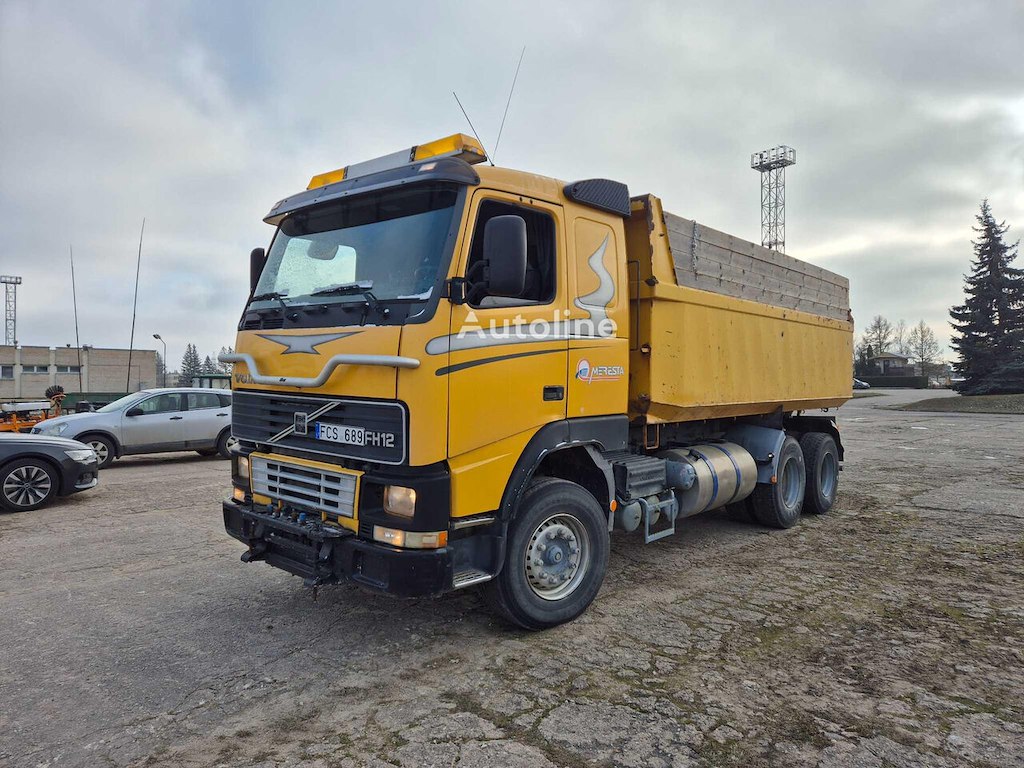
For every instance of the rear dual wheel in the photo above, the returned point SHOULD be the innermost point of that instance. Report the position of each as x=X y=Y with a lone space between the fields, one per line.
x=822 y=459
x=556 y=556
x=807 y=481
x=778 y=504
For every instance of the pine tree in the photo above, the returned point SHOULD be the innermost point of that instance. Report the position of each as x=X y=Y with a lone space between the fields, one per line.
x=161 y=370
x=990 y=323
x=190 y=366
x=224 y=367
x=208 y=366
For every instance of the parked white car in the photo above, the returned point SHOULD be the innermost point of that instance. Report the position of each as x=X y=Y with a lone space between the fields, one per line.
x=151 y=421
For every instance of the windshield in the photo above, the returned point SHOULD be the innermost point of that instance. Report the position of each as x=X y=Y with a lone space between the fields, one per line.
x=390 y=243
x=121 y=402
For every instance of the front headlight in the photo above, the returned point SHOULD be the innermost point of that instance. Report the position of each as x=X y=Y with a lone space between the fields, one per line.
x=83 y=455
x=399 y=500
x=46 y=428
x=240 y=471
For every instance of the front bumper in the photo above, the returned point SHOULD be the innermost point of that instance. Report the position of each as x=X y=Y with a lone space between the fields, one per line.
x=78 y=476
x=324 y=555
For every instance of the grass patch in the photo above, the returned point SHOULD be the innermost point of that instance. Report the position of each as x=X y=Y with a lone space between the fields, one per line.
x=970 y=404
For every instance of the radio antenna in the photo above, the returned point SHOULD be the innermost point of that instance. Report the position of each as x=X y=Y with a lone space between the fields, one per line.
x=510 y=92
x=135 y=306
x=471 y=127
x=74 y=299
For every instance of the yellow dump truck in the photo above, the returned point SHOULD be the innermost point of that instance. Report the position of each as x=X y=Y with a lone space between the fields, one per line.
x=450 y=374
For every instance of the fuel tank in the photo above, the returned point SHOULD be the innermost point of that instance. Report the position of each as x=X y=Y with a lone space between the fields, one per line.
x=724 y=473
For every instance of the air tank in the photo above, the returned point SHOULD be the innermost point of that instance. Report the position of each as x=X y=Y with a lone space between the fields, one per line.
x=710 y=475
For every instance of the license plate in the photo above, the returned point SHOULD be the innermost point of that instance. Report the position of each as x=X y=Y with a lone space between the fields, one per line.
x=336 y=433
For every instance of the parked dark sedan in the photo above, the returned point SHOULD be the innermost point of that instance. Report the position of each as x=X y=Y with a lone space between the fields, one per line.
x=34 y=469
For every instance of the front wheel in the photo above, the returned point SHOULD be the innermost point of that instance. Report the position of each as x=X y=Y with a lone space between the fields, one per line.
x=104 y=448
x=27 y=484
x=556 y=557
x=225 y=442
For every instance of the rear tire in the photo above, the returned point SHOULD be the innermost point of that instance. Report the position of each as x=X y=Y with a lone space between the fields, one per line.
x=27 y=484
x=778 y=505
x=225 y=442
x=821 y=458
x=103 y=446
x=556 y=556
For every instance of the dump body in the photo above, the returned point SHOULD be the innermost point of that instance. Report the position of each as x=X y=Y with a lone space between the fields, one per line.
x=721 y=327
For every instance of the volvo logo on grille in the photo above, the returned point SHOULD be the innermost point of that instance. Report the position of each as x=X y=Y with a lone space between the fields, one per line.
x=301 y=423
x=304 y=344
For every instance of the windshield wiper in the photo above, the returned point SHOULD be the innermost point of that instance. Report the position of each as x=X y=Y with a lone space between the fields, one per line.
x=361 y=287
x=269 y=296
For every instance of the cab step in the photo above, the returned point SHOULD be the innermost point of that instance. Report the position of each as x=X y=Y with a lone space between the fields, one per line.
x=469 y=577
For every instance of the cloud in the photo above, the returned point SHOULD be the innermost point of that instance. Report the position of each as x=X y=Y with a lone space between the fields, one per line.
x=198 y=116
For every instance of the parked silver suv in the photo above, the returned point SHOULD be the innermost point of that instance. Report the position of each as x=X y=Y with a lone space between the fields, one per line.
x=151 y=421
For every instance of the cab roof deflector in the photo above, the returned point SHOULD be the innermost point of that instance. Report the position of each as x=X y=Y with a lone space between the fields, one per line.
x=603 y=194
x=441 y=169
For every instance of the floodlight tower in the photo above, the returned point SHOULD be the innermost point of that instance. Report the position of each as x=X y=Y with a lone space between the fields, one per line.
x=771 y=163
x=10 y=283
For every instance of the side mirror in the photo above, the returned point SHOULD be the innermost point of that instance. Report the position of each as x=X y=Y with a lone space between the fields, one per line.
x=505 y=255
x=257 y=260
x=133 y=412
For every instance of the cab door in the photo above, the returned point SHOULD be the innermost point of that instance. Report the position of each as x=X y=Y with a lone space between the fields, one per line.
x=507 y=367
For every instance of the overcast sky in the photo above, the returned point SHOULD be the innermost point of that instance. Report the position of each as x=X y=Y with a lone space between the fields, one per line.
x=199 y=116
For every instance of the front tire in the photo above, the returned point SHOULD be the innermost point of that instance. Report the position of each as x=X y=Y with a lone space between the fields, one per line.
x=556 y=557
x=822 y=459
x=225 y=442
x=27 y=484
x=104 y=448
x=778 y=504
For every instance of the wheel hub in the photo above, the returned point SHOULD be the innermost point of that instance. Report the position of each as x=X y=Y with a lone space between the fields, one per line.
x=557 y=557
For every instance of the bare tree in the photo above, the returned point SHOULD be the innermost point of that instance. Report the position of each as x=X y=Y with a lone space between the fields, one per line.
x=878 y=335
x=900 y=339
x=923 y=348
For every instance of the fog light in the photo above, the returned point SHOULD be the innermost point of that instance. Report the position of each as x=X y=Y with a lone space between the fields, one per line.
x=410 y=539
x=238 y=494
x=399 y=500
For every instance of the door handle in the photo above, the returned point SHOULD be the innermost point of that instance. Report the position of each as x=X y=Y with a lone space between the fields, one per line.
x=554 y=392
x=175 y=418
x=222 y=414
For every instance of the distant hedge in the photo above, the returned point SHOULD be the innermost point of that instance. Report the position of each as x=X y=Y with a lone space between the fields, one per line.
x=902 y=382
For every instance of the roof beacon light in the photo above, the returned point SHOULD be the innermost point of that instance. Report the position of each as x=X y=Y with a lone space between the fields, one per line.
x=458 y=145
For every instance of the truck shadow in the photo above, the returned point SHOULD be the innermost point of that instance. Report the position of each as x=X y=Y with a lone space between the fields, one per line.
x=377 y=618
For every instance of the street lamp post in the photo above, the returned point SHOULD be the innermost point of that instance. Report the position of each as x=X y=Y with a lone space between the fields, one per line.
x=163 y=375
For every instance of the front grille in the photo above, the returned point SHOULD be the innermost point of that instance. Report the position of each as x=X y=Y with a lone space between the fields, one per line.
x=259 y=322
x=268 y=418
x=305 y=487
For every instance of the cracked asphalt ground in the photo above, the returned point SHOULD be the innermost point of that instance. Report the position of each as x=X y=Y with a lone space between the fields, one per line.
x=886 y=633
